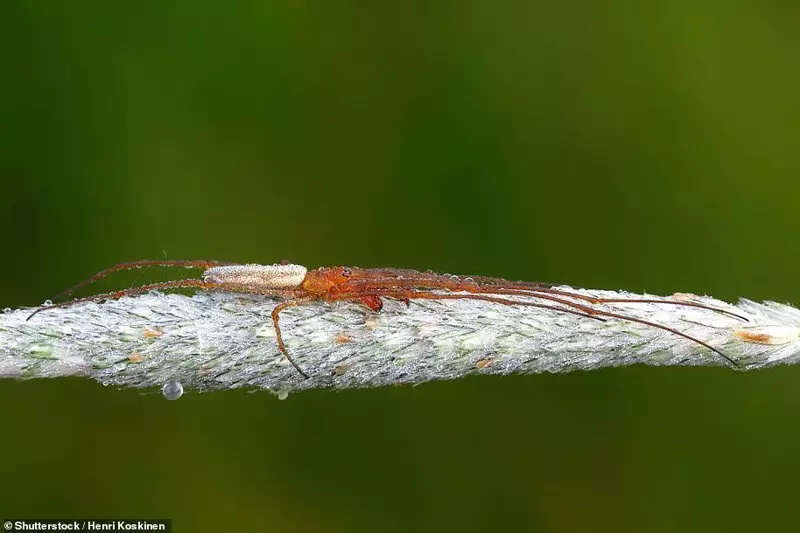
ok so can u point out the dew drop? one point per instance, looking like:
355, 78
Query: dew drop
282, 395
105, 383
7, 310
172, 390
48, 303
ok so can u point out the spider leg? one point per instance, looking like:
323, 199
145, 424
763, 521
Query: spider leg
435, 281
200, 284
412, 288
672, 302
594, 300
139, 264
592, 311
597, 300
276, 311
407, 295
373, 302
115, 295
549, 288
577, 309
165, 285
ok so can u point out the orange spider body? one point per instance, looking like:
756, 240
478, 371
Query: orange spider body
298, 285
324, 280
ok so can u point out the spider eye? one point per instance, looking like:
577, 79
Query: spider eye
346, 272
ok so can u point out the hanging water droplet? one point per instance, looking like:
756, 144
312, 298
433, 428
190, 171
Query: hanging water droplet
282, 395
7, 310
48, 303
172, 390
105, 383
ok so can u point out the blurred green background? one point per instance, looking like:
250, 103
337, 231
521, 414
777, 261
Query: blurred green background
623, 144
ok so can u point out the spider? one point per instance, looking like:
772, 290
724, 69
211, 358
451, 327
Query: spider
297, 285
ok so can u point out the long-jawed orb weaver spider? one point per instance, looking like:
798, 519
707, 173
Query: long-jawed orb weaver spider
297, 286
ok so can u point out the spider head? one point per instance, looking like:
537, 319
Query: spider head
325, 279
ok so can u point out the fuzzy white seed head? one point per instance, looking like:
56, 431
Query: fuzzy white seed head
263, 277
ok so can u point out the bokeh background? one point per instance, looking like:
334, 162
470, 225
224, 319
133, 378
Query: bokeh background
623, 144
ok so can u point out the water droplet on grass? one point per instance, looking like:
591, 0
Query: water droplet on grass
172, 390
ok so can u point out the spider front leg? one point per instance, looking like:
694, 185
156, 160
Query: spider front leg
116, 295
372, 301
119, 267
276, 311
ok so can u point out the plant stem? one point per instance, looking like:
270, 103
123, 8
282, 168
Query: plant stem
215, 341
